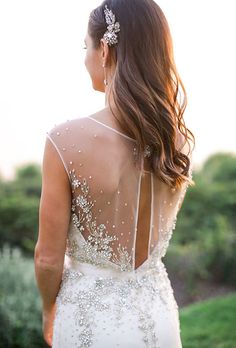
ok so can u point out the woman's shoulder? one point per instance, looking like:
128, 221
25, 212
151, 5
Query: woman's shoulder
66, 125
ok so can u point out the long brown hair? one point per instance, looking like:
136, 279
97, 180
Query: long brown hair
147, 90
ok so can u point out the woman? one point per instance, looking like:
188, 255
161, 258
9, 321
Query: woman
112, 185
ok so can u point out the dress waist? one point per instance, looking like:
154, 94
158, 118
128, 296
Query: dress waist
88, 269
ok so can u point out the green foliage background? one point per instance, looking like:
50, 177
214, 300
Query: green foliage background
19, 204
206, 225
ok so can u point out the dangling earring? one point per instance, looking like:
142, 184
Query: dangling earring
105, 80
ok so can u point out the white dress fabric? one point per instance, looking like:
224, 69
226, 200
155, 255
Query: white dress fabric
115, 290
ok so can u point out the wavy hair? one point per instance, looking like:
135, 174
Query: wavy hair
146, 88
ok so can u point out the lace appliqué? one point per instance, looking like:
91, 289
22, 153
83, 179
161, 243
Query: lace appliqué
96, 249
125, 294
124, 259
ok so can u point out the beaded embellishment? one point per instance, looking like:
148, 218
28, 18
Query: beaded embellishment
97, 248
126, 293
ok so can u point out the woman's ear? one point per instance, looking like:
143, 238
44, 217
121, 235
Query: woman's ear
104, 52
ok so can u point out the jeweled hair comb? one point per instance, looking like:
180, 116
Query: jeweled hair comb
110, 35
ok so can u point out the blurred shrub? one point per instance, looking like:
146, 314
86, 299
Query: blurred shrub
20, 307
204, 241
19, 205
212, 258
219, 245
19, 222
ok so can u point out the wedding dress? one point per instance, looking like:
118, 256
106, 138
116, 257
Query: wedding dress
115, 290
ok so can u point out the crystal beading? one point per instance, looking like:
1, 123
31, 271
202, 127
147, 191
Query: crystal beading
113, 27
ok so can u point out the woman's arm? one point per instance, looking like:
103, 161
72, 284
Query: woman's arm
54, 217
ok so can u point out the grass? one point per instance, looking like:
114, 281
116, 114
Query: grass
210, 323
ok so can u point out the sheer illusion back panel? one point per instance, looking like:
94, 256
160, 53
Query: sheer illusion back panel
104, 184
123, 213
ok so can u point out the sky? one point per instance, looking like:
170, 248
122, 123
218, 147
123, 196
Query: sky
43, 80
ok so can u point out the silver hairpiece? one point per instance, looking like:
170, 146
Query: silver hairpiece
113, 27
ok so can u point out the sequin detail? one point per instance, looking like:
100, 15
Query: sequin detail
96, 249
116, 296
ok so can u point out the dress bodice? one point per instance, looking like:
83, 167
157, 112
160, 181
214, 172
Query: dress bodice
122, 216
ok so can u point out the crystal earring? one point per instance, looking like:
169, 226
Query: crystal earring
105, 80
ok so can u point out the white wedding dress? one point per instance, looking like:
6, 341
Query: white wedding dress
115, 290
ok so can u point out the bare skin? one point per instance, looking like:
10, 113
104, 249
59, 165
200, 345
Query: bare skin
54, 212
55, 199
